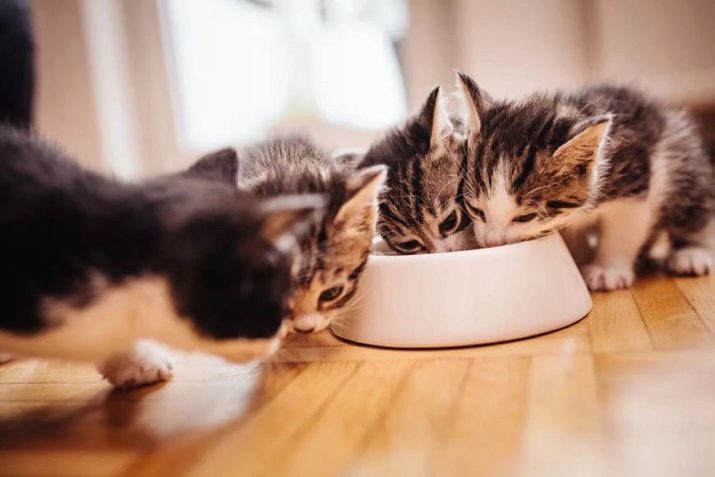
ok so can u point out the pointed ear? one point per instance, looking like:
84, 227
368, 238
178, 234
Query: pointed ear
348, 158
475, 103
289, 215
220, 166
434, 116
363, 189
585, 148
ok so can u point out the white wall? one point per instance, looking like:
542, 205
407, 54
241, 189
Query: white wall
511, 47
667, 46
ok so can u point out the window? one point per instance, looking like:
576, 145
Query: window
241, 66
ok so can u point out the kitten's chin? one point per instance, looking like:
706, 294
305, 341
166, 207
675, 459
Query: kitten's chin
453, 243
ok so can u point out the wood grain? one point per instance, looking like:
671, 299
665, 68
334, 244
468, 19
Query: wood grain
626, 391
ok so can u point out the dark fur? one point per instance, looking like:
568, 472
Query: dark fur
220, 166
293, 165
334, 250
526, 133
417, 174
60, 223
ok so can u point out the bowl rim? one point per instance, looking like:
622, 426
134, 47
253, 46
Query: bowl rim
438, 256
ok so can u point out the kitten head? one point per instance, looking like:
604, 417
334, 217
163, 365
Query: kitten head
229, 260
532, 165
334, 253
331, 255
420, 210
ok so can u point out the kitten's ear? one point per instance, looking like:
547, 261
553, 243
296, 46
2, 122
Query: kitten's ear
475, 102
434, 115
289, 215
220, 166
585, 148
348, 158
363, 189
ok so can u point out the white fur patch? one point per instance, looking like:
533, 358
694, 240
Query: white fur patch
691, 261
454, 242
145, 363
139, 308
608, 278
499, 209
624, 227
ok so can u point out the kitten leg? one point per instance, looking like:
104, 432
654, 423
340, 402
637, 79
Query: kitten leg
576, 238
145, 363
693, 254
625, 227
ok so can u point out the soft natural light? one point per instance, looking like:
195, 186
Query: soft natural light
240, 67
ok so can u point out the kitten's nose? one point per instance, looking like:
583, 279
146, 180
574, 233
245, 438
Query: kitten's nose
495, 241
306, 323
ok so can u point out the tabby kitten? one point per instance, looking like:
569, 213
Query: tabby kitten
333, 253
420, 210
91, 265
603, 156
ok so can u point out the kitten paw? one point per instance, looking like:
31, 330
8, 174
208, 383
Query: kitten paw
6, 357
607, 278
690, 261
147, 363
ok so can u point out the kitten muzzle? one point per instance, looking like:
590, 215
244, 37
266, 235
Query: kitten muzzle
308, 323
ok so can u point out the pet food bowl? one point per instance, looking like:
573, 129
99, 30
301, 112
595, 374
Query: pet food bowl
468, 297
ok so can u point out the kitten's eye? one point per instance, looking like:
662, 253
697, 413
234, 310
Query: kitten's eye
449, 224
331, 293
409, 246
524, 218
477, 212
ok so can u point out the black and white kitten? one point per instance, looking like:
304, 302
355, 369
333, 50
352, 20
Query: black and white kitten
92, 266
604, 159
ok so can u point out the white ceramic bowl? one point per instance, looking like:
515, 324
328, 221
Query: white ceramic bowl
467, 298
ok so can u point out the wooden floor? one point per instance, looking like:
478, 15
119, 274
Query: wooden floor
629, 391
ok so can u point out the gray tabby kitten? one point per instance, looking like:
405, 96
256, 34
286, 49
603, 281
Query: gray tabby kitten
420, 210
333, 254
604, 158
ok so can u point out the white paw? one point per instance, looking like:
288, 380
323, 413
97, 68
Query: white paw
607, 278
6, 357
690, 261
146, 363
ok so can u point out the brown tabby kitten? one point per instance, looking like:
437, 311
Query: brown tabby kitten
605, 157
420, 210
333, 254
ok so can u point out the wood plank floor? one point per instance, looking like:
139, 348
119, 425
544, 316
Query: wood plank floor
630, 391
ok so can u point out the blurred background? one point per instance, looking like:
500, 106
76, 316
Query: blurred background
140, 87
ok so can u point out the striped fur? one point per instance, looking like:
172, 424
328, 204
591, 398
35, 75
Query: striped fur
420, 209
604, 156
333, 255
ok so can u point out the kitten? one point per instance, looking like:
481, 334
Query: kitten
605, 157
420, 210
334, 252
91, 266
